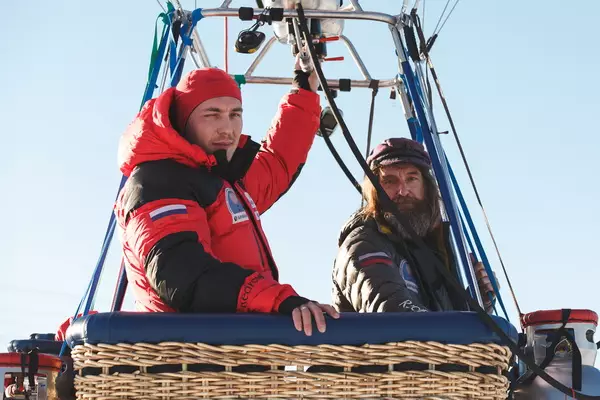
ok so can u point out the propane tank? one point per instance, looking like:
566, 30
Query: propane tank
37, 384
540, 329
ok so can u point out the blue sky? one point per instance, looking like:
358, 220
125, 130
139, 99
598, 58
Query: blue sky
520, 78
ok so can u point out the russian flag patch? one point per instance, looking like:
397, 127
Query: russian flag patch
374, 258
165, 211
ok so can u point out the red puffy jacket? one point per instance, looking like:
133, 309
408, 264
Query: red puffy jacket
190, 226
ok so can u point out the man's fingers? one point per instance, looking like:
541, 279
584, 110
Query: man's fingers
297, 317
480, 271
330, 310
483, 277
486, 284
306, 319
318, 314
304, 315
302, 319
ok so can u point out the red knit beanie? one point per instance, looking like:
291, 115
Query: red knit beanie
198, 86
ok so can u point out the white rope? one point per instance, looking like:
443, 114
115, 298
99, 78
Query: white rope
161, 6
449, 14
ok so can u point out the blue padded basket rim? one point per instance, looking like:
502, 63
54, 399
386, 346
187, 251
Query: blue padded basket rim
240, 329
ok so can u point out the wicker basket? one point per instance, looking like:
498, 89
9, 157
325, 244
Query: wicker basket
403, 370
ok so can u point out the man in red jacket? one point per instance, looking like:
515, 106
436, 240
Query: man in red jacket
189, 213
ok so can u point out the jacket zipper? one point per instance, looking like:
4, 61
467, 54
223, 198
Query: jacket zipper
258, 249
257, 235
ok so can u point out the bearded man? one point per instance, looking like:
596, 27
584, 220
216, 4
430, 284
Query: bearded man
372, 271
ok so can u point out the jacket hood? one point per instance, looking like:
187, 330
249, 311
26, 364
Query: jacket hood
151, 137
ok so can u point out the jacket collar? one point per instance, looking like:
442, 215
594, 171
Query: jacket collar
152, 137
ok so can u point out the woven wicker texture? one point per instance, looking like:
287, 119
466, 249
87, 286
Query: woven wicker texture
279, 384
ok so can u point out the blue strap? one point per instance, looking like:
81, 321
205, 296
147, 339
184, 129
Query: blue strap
478, 243
177, 63
413, 123
196, 17
89, 296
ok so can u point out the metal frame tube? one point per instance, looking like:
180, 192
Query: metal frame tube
199, 48
260, 56
224, 11
267, 47
163, 81
195, 60
298, 38
409, 115
356, 5
267, 80
356, 57
319, 14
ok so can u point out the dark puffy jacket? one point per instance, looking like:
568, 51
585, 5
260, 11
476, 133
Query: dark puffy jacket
371, 272
190, 224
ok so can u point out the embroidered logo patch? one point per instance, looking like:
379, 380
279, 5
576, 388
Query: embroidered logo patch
409, 277
235, 206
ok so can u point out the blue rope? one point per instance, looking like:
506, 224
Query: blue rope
157, 62
465, 209
439, 171
470, 223
149, 92
64, 345
413, 123
478, 243
90, 293
417, 135
472, 250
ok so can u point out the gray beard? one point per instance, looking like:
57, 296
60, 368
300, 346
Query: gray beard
419, 219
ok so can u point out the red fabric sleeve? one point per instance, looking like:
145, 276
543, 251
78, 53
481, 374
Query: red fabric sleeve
263, 294
148, 225
285, 149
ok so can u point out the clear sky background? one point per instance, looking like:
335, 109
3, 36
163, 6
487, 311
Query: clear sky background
520, 78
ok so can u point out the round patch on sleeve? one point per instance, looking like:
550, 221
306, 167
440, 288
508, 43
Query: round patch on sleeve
409, 277
235, 206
